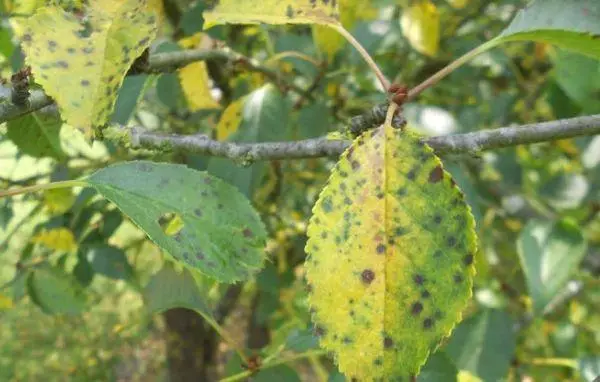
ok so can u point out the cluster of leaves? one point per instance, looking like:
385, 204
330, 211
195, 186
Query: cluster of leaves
391, 238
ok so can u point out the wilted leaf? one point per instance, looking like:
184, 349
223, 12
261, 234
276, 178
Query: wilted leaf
484, 345
222, 236
55, 291
59, 239
391, 245
421, 26
272, 12
37, 134
550, 252
84, 72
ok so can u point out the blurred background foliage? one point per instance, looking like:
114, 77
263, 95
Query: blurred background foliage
75, 274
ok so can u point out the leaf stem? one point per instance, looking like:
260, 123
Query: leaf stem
363, 52
434, 79
42, 187
223, 333
247, 373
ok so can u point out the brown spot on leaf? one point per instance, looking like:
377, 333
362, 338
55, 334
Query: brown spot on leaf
436, 174
367, 276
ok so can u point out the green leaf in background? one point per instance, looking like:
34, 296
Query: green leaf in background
130, 93
55, 291
6, 212
169, 289
280, 373
219, 233
37, 134
302, 340
484, 344
589, 368
573, 25
579, 77
264, 118
549, 252
439, 367
109, 261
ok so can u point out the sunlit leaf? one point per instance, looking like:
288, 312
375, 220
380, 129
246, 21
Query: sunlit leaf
59, 200
59, 239
272, 12
421, 26
391, 246
84, 72
217, 231
37, 134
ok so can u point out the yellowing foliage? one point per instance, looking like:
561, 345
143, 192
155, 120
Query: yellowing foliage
230, 119
421, 26
272, 12
57, 239
391, 245
59, 200
194, 80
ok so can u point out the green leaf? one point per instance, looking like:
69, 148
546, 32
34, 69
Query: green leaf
314, 121
484, 344
83, 71
301, 340
272, 12
6, 212
549, 252
391, 245
264, 118
170, 289
573, 25
279, 373
216, 231
579, 77
589, 368
109, 261
129, 95
37, 134
55, 291
439, 367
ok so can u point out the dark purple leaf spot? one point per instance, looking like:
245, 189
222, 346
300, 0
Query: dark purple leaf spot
416, 308
367, 276
436, 174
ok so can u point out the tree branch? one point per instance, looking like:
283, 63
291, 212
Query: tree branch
320, 147
161, 63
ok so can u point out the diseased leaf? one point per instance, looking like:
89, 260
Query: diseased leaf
83, 73
572, 25
220, 234
391, 245
421, 26
549, 253
194, 80
230, 119
272, 12
55, 291
37, 134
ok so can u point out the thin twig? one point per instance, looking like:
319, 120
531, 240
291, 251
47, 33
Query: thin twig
161, 63
319, 147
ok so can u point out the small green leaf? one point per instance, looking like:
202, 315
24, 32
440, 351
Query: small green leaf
549, 252
573, 25
484, 344
222, 236
130, 93
391, 245
109, 261
37, 134
264, 118
55, 291
170, 289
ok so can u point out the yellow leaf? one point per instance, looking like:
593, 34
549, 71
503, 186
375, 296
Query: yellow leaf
272, 12
59, 239
465, 376
230, 119
391, 245
59, 200
5, 302
82, 72
195, 85
421, 26
330, 41
458, 4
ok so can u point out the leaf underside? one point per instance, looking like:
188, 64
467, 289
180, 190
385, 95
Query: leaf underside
272, 12
391, 245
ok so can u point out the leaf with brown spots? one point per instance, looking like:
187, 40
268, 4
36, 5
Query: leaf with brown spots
390, 244
272, 12
230, 119
207, 225
83, 70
